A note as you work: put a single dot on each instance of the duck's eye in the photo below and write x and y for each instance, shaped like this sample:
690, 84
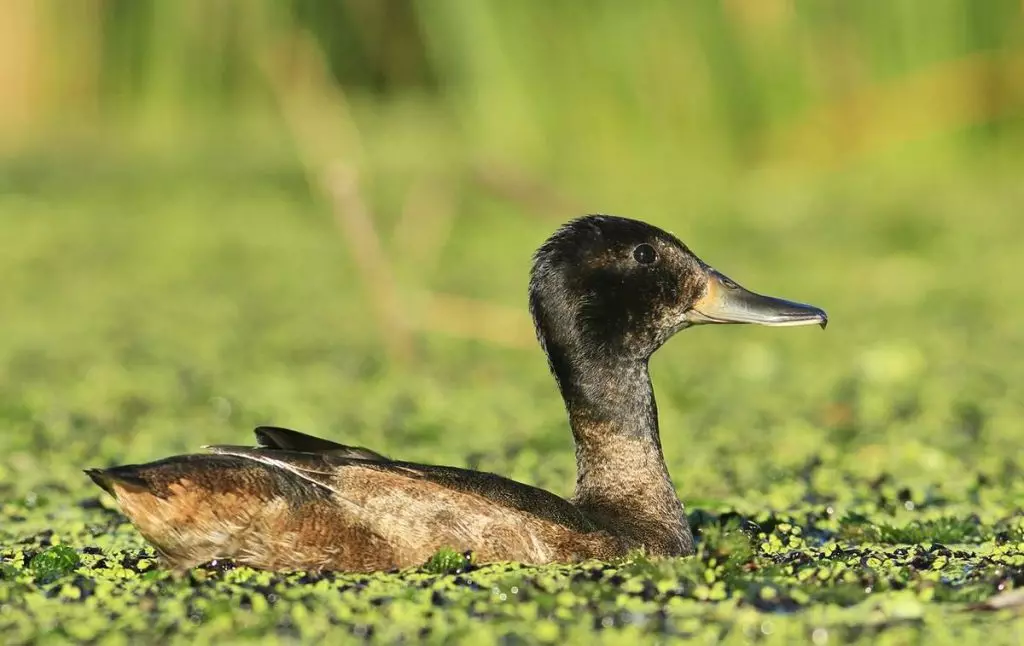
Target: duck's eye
645, 254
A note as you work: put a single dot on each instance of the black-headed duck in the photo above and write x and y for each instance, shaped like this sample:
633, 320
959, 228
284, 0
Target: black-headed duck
605, 293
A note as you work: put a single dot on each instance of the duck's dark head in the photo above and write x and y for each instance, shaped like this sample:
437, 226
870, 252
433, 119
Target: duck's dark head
611, 289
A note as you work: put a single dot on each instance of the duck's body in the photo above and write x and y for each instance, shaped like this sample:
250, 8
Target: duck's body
283, 509
605, 293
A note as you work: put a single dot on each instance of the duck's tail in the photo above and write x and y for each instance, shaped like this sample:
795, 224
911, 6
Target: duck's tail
108, 479
197, 508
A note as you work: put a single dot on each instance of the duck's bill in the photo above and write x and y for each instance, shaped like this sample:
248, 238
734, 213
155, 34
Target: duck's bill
727, 302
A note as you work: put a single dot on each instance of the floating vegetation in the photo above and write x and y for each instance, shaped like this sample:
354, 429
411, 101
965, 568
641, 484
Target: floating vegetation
774, 576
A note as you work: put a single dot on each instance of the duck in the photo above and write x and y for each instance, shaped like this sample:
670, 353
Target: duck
605, 293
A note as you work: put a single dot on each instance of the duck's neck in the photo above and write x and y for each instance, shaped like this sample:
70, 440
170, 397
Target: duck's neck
622, 483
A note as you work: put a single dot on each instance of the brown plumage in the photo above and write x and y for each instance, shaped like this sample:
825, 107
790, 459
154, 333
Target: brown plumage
605, 293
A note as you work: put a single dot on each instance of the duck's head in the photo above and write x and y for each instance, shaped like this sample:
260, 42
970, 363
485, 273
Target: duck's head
608, 288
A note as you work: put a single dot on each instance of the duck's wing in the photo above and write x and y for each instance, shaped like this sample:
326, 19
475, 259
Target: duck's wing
286, 439
492, 487
280, 509
278, 446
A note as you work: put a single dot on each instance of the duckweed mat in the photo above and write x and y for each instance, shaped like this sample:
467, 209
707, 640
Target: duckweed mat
864, 484
811, 574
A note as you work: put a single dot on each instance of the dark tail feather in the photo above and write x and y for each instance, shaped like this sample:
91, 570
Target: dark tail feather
107, 478
275, 437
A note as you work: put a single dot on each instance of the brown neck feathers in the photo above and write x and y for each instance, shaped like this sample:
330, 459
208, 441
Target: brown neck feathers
622, 483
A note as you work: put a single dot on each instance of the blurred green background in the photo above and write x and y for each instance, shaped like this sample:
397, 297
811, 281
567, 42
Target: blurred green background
321, 214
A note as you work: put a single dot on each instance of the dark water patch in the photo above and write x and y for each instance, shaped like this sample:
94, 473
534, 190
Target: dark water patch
218, 566
771, 598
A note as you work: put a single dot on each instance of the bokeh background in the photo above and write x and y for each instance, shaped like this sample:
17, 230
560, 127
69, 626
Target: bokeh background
320, 214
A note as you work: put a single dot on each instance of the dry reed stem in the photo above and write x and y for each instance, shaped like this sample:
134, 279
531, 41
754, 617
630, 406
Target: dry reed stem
341, 183
330, 150
20, 67
425, 224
